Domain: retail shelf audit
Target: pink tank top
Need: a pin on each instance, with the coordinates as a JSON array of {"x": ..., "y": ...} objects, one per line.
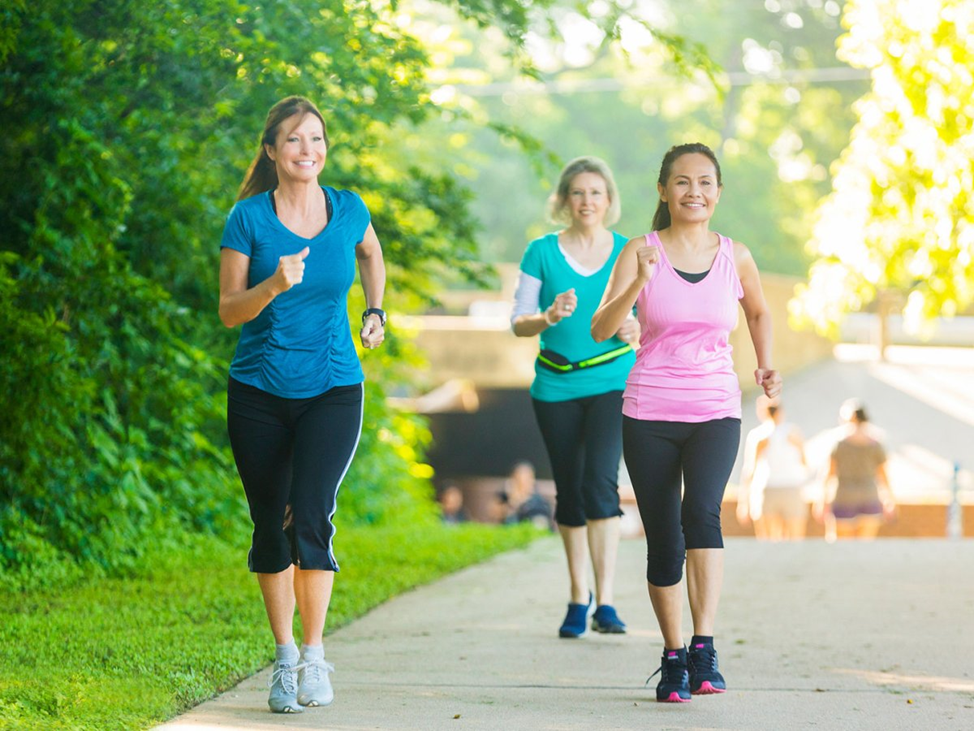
[{"x": 684, "y": 370}]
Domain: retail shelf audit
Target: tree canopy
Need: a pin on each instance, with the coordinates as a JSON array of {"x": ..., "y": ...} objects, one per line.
[
  {"x": 900, "y": 216},
  {"x": 781, "y": 116},
  {"x": 127, "y": 129}
]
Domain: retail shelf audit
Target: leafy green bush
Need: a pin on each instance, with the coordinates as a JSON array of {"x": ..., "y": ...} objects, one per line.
[
  {"x": 114, "y": 433},
  {"x": 126, "y": 130}
]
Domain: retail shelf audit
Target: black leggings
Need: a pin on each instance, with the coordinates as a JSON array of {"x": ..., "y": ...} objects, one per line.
[
  {"x": 583, "y": 438},
  {"x": 292, "y": 455},
  {"x": 660, "y": 455}
]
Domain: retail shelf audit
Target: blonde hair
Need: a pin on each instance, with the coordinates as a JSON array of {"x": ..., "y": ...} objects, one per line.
[
  {"x": 262, "y": 173},
  {"x": 558, "y": 201}
]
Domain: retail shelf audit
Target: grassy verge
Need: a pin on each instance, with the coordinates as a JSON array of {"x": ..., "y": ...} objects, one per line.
[{"x": 126, "y": 653}]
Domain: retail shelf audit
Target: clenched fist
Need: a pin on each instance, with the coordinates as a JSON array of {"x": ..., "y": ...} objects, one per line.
[
  {"x": 769, "y": 380},
  {"x": 647, "y": 258},
  {"x": 629, "y": 330},
  {"x": 372, "y": 332},
  {"x": 564, "y": 305},
  {"x": 290, "y": 270}
]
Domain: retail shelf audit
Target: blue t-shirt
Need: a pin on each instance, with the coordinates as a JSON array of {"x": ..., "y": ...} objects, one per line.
[
  {"x": 300, "y": 345},
  {"x": 572, "y": 337}
]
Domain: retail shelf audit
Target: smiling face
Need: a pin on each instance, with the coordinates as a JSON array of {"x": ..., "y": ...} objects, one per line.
[
  {"x": 588, "y": 199},
  {"x": 692, "y": 190},
  {"x": 299, "y": 150}
]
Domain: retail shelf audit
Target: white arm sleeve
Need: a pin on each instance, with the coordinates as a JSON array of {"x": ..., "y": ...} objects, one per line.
[{"x": 527, "y": 297}]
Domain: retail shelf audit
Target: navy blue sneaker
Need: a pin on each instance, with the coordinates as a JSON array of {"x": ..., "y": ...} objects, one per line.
[
  {"x": 606, "y": 620},
  {"x": 674, "y": 683},
  {"x": 576, "y": 619},
  {"x": 704, "y": 678}
]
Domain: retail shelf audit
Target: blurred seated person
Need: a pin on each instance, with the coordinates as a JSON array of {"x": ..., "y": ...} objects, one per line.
[
  {"x": 521, "y": 501},
  {"x": 451, "y": 505}
]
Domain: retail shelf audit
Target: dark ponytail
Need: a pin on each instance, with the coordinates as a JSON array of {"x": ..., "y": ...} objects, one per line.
[
  {"x": 661, "y": 219},
  {"x": 262, "y": 173}
]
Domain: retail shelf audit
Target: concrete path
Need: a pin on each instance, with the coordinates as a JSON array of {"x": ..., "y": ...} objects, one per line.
[{"x": 811, "y": 636}]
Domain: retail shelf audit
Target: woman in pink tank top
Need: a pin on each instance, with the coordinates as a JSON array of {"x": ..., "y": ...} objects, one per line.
[{"x": 682, "y": 404}]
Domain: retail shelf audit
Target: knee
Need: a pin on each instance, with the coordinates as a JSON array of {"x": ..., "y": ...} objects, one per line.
[
  {"x": 701, "y": 525},
  {"x": 570, "y": 516},
  {"x": 664, "y": 568},
  {"x": 602, "y": 503},
  {"x": 570, "y": 508}
]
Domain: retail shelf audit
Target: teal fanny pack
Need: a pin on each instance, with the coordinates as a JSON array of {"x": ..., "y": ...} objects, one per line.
[{"x": 552, "y": 361}]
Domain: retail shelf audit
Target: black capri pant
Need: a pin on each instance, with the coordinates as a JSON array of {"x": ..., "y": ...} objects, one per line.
[
  {"x": 292, "y": 455},
  {"x": 584, "y": 441},
  {"x": 662, "y": 457}
]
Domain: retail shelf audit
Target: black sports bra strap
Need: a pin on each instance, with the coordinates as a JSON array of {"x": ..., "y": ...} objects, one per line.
[{"x": 327, "y": 204}]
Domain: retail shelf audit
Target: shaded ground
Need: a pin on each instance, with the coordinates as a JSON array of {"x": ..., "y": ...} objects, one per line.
[{"x": 846, "y": 636}]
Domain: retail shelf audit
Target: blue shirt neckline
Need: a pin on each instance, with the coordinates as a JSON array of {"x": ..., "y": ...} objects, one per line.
[{"x": 269, "y": 210}]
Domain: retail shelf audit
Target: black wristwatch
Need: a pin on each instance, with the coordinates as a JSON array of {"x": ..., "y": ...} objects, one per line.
[{"x": 374, "y": 311}]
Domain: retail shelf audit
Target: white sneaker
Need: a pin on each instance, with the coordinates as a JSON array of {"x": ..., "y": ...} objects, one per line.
[
  {"x": 284, "y": 688},
  {"x": 314, "y": 685}
]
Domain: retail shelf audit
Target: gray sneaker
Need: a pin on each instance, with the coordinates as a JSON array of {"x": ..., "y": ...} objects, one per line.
[
  {"x": 284, "y": 688},
  {"x": 314, "y": 686}
]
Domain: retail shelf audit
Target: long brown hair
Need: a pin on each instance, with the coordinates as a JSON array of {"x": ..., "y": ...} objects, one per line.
[
  {"x": 262, "y": 173},
  {"x": 661, "y": 219}
]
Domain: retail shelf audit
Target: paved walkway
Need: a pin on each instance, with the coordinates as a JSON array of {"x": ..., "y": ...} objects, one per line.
[{"x": 811, "y": 636}]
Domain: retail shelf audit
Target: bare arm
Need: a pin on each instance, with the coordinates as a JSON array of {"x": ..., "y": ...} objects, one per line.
[
  {"x": 758, "y": 320},
  {"x": 885, "y": 491},
  {"x": 565, "y": 304},
  {"x": 526, "y": 326},
  {"x": 372, "y": 270},
  {"x": 238, "y": 304},
  {"x": 632, "y": 270},
  {"x": 818, "y": 509},
  {"x": 797, "y": 439},
  {"x": 753, "y": 448}
]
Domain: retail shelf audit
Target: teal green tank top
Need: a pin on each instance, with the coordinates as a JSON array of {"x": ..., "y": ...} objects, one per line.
[{"x": 572, "y": 337}]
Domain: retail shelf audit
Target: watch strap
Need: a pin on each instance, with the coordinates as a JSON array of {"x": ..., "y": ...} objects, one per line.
[{"x": 375, "y": 311}]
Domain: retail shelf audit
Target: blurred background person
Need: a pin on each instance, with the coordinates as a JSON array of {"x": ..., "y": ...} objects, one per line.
[
  {"x": 451, "y": 505},
  {"x": 775, "y": 471},
  {"x": 521, "y": 502},
  {"x": 856, "y": 496}
]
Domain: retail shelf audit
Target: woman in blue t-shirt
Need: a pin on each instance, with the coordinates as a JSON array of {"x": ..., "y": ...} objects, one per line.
[
  {"x": 578, "y": 385},
  {"x": 295, "y": 393}
]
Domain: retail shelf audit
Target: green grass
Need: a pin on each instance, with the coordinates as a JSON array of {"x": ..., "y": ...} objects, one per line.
[{"x": 130, "y": 652}]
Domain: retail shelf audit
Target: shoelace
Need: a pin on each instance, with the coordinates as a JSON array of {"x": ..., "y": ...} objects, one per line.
[
  {"x": 704, "y": 658},
  {"x": 662, "y": 668},
  {"x": 288, "y": 675},
  {"x": 314, "y": 668}
]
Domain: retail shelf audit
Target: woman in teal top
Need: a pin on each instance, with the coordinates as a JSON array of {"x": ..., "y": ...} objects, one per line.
[{"x": 577, "y": 390}]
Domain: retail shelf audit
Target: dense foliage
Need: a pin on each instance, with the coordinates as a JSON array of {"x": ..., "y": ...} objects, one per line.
[
  {"x": 900, "y": 219},
  {"x": 126, "y": 130},
  {"x": 781, "y": 113}
]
